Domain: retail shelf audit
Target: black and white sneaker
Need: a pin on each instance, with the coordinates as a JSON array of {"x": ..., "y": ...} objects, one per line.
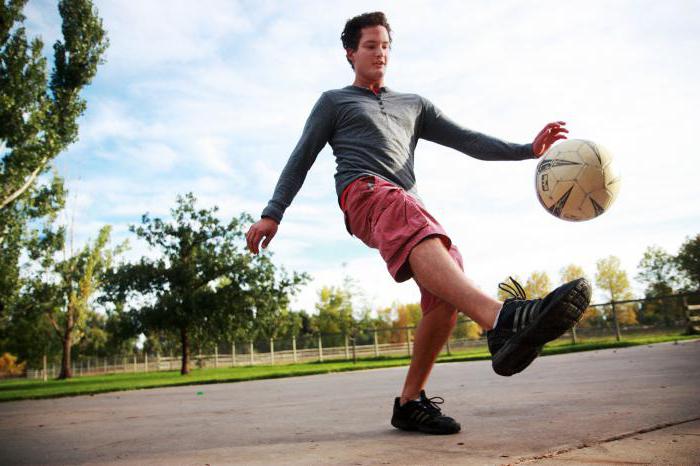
[
  {"x": 423, "y": 415},
  {"x": 525, "y": 325}
]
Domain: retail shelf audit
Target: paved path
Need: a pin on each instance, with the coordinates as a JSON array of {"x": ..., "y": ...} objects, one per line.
[{"x": 635, "y": 405}]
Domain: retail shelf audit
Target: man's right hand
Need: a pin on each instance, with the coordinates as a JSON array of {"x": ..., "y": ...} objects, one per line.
[{"x": 263, "y": 228}]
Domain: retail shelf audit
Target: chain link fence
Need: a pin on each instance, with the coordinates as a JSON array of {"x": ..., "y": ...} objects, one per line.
[{"x": 634, "y": 317}]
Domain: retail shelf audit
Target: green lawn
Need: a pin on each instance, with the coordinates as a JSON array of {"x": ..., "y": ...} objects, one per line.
[{"x": 18, "y": 389}]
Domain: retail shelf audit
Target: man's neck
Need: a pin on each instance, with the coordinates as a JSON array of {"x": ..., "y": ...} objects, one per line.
[{"x": 373, "y": 86}]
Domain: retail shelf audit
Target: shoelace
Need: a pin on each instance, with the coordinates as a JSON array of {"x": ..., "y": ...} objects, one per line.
[
  {"x": 432, "y": 404},
  {"x": 515, "y": 290},
  {"x": 523, "y": 314}
]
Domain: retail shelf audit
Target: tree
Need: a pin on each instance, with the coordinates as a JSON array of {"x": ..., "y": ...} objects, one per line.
[
  {"x": 611, "y": 278},
  {"x": 538, "y": 285},
  {"x": 572, "y": 272},
  {"x": 658, "y": 271},
  {"x": 64, "y": 290},
  {"x": 202, "y": 284},
  {"x": 688, "y": 261},
  {"x": 38, "y": 120},
  {"x": 335, "y": 314}
]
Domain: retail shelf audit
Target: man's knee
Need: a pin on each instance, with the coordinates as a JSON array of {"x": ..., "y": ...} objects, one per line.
[{"x": 443, "y": 315}]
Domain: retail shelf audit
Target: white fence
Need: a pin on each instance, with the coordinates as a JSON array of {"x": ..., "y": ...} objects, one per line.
[{"x": 242, "y": 355}]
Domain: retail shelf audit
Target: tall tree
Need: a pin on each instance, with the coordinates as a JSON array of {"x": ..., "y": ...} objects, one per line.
[
  {"x": 688, "y": 260},
  {"x": 38, "y": 117},
  {"x": 38, "y": 120},
  {"x": 203, "y": 283},
  {"x": 658, "y": 271},
  {"x": 65, "y": 289},
  {"x": 334, "y": 314},
  {"x": 612, "y": 279}
]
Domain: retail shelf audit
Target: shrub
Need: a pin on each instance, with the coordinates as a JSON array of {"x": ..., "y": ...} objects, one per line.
[{"x": 9, "y": 366}]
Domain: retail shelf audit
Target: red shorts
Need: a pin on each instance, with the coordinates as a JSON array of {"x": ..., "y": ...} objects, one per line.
[{"x": 386, "y": 217}]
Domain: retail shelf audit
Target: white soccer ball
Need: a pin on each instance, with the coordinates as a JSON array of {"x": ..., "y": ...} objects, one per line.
[{"x": 576, "y": 180}]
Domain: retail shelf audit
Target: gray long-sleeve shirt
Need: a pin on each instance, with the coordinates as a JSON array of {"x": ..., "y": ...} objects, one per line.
[{"x": 377, "y": 135}]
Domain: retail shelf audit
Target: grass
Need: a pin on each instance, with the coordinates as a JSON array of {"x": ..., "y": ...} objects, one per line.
[{"x": 20, "y": 389}]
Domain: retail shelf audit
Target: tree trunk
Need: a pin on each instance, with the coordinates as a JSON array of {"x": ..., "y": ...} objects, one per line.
[
  {"x": 66, "y": 371},
  {"x": 184, "y": 338}
]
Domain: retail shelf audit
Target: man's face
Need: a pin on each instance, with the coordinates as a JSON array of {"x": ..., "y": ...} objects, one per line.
[{"x": 372, "y": 54}]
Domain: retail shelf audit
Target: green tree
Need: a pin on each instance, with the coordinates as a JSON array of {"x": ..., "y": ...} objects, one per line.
[
  {"x": 203, "y": 283},
  {"x": 65, "y": 290},
  {"x": 334, "y": 316},
  {"x": 658, "y": 271},
  {"x": 38, "y": 120},
  {"x": 688, "y": 260},
  {"x": 38, "y": 117}
]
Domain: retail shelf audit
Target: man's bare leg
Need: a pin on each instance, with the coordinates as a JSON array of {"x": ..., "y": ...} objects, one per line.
[
  {"x": 431, "y": 335},
  {"x": 436, "y": 271}
]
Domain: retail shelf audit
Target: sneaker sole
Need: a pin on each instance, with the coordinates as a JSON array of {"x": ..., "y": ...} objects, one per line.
[
  {"x": 424, "y": 429},
  {"x": 564, "y": 311}
]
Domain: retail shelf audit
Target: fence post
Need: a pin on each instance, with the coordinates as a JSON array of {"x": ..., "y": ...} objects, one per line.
[
  {"x": 105, "y": 364},
  {"x": 408, "y": 341},
  {"x": 294, "y": 347},
  {"x": 44, "y": 374},
  {"x": 252, "y": 362},
  {"x": 347, "y": 349},
  {"x": 354, "y": 350},
  {"x": 618, "y": 336},
  {"x": 272, "y": 350},
  {"x": 88, "y": 367},
  {"x": 376, "y": 343},
  {"x": 320, "y": 349},
  {"x": 216, "y": 356},
  {"x": 145, "y": 362},
  {"x": 449, "y": 350},
  {"x": 134, "y": 362},
  {"x": 158, "y": 362},
  {"x": 573, "y": 335},
  {"x": 233, "y": 354}
]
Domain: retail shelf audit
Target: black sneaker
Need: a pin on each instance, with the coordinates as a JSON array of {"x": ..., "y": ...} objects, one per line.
[
  {"x": 525, "y": 325},
  {"x": 423, "y": 415}
]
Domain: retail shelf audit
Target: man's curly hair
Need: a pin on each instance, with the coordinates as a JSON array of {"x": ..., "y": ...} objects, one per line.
[{"x": 353, "y": 29}]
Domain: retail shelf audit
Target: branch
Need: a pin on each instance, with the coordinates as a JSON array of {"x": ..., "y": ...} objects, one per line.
[
  {"x": 26, "y": 185},
  {"x": 55, "y": 326}
]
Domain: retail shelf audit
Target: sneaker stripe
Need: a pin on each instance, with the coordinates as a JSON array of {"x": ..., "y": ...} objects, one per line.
[
  {"x": 517, "y": 318},
  {"x": 527, "y": 314}
]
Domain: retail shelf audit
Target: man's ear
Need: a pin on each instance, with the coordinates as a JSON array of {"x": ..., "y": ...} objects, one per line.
[{"x": 349, "y": 54}]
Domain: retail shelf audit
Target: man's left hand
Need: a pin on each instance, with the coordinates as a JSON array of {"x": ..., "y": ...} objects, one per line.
[{"x": 549, "y": 135}]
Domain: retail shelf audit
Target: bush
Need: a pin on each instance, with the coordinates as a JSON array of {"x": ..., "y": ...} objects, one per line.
[{"x": 9, "y": 366}]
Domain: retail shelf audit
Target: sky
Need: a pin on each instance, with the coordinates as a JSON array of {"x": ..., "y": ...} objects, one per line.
[{"x": 210, "y": 97}]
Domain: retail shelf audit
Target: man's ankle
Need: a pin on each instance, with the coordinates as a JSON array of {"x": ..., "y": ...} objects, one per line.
[{"x": 405, "y": 399}]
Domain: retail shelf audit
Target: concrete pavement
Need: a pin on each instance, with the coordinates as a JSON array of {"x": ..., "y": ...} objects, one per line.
[{"x": 637, "y": 405}]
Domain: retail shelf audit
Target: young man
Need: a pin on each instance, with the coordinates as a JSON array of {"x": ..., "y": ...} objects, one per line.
[{"x": 373, "y": 131}]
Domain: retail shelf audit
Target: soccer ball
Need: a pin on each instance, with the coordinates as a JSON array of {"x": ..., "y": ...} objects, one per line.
[{"x": 576, "y": 180}]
